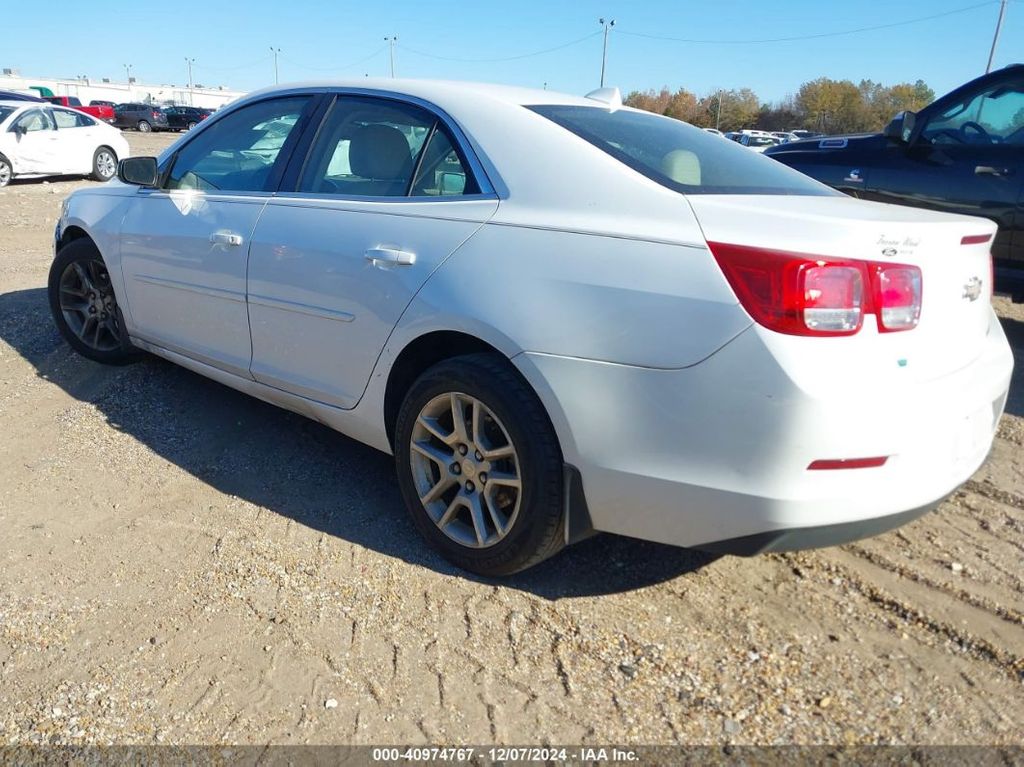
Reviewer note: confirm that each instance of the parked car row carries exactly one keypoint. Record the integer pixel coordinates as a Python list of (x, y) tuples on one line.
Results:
[(146, 117)]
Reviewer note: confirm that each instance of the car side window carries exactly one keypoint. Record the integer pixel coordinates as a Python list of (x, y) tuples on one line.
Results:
[(65, 119), (34, 120), (442, 171), (367, 147), (994, 116), (238, 152)]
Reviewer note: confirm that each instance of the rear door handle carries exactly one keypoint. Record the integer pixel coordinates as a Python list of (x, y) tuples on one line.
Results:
[(390, 256), (226, 238), (988, 170)]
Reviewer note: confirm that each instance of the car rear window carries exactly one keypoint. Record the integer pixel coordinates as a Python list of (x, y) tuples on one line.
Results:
[(680, 156)]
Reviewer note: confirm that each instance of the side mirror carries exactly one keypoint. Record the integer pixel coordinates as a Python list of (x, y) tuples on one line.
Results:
[(20, 130), (901, 127), (140, 171)]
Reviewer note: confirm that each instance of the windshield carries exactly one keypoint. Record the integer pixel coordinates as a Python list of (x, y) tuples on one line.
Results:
[(679, 156), (763, 141)]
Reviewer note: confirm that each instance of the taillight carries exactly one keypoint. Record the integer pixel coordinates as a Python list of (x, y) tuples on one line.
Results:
[(156, 115), (897, 297), (806, 295)]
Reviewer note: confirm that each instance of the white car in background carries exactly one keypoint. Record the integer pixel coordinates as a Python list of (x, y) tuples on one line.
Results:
[(758, 141), (38, 139), (714, 132), (560, 315)]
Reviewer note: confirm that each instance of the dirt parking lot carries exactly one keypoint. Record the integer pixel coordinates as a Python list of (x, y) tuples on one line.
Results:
[(181, 563)]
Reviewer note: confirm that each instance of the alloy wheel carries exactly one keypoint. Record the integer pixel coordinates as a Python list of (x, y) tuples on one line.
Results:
[(466, 470), (88, 305), (5, 173), (106, 165)]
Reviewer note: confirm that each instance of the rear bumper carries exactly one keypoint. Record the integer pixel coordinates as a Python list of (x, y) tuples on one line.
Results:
[(716, 456)]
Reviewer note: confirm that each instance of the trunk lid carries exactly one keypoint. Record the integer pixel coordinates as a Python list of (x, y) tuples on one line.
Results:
[(956, 277)]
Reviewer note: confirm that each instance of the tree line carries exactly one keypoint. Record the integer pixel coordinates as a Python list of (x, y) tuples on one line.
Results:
[(824, 105)]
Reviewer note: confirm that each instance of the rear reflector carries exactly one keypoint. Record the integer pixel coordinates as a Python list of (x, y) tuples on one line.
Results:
[(807, 295), (848, 463), (975, 239)]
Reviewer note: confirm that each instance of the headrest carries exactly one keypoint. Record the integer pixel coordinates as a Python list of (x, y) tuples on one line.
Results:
[(379, 152), (682, 166)]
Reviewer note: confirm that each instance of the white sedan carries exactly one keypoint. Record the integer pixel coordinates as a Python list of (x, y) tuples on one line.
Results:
[(38, 139), (560, 315)]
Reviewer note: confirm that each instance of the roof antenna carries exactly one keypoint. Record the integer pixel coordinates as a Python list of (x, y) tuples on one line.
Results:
[(609, 96)]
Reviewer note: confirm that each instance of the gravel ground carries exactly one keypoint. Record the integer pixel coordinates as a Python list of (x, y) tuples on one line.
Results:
[(183, 564)]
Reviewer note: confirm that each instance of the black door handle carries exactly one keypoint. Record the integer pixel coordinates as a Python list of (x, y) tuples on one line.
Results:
[(988, 170)]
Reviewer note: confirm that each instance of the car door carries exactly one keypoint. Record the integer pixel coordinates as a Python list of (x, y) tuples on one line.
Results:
[(75, 143), (385, 193), (966, 155), (34, 142), (184, 246)]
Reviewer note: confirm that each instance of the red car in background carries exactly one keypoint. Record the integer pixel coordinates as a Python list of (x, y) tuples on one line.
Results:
[(104, 113)]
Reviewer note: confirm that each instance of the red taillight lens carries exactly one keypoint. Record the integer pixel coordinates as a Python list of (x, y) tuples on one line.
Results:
[(156, 115), (801, 294), (897, 297), (832, 298)]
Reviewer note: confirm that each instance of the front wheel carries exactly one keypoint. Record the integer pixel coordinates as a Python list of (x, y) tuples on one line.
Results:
[(104, 164), (6, 171), (479, 466), (84, 306), (144, 127)]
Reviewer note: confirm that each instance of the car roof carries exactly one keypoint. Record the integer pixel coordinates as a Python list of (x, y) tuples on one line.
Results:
[(439, 92)]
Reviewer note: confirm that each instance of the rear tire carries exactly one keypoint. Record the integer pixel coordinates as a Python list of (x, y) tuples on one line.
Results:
[(84, 307), (104, 164), (144, 127), (6, 171), (496, 508), (190, 125)]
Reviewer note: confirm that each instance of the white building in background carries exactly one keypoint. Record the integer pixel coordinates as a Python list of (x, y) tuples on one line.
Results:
[(88, 89)]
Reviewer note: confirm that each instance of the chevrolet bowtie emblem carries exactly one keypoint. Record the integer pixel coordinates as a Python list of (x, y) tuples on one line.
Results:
[(972, 289)]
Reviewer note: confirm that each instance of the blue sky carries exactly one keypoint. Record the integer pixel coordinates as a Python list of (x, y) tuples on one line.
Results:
[(324, 38)]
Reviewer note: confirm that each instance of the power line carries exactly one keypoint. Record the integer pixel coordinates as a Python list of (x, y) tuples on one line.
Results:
[(811, 37), (334, 69), (505, 58)]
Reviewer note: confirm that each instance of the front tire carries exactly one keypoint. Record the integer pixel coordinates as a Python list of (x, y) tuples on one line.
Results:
[(144, 127), (104, 164), (6, 171), (479, 466), (84, 307)]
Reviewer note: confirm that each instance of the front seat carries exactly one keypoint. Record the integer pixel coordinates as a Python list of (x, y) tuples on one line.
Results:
[(379, 155)]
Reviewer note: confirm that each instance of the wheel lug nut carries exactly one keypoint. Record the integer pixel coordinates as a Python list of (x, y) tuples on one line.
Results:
[(455, 468), (463, 449), (483, 478), (479, 455), (103, 315), (470, 487), (92, 310)]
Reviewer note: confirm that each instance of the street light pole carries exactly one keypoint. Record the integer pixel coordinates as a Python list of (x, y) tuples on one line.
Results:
[(604, 52), (275, 51), (128, 73), (718, 117), (391, 45), (995, 37), (189, 62)]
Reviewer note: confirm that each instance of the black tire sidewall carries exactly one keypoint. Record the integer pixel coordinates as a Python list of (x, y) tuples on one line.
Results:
[(537, 532), (83, 250)]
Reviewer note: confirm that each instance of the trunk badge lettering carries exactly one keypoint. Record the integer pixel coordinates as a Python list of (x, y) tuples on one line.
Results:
[(972, 289)]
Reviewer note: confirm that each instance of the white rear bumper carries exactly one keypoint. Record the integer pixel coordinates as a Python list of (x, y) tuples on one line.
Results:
[(720, 450)]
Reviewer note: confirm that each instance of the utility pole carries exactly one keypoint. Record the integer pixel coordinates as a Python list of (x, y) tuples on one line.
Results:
[(718, 117), (995, 37), (275, 51), (391, 45), (604, 53), (128, 73), (189, 62)]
